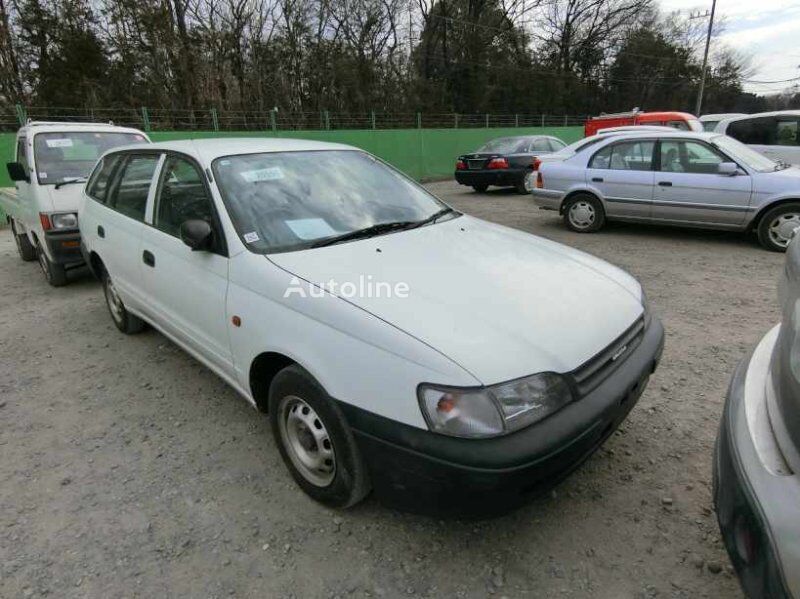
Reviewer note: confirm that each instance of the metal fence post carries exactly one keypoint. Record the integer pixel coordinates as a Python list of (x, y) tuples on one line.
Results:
[(487, 120), (455, 120), (145, 119), (516, 120), (273, 121), (21, 116), (214, 119), (327, 120), (542, 119), (419, 120), (372, 118), (565, 120)]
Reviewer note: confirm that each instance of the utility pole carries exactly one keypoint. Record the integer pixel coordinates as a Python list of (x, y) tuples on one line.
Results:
[(705, 55)]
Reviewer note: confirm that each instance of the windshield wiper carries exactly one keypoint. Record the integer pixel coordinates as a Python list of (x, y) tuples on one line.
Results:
[(70, 181), (433, 217), (371, 231)]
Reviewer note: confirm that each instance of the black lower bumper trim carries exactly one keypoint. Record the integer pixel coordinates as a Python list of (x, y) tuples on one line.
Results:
[(64, 248), (499, 178), (419, 471)]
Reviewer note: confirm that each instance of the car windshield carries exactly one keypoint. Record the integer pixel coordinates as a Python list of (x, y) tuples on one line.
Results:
[(742, 153), (709, 125), (287, 201), (65, 156), (505, 145), (576, 146)]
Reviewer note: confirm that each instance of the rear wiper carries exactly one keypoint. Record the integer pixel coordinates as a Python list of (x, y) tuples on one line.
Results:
[(70, 181), (371, 231)]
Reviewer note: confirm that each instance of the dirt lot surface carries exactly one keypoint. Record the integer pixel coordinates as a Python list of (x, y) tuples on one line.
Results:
[(129, 470)]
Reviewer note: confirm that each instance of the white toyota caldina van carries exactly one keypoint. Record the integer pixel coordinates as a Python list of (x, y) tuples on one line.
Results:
[(51, 163), (449, 364)]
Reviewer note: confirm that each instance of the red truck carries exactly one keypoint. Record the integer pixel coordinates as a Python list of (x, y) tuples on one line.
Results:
[(678, 120)]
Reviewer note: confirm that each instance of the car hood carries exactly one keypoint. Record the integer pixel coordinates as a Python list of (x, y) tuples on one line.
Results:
[(499, 302), (64, 199)]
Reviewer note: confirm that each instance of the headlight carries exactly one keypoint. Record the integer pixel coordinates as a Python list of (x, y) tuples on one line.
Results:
[(66, 220), (494, 410)]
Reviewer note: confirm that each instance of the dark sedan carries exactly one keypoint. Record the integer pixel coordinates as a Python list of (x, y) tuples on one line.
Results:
[(505, 162)]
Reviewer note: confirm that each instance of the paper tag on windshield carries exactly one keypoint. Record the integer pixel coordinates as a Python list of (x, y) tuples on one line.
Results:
[(263, 174), (310, 228), (43, 175), (64, 142), (251, 237)]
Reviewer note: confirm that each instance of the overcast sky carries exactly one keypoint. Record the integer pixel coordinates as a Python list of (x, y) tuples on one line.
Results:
[(767, 31)]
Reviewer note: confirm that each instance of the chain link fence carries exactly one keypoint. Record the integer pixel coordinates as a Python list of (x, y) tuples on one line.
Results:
[(212, 119)]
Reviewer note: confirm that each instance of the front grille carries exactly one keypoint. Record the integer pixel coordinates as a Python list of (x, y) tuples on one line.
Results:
[(475, 164), (594, 371)]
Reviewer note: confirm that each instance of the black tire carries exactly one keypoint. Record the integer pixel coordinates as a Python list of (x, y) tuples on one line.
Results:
[(775, 227), (591, 217), (480, 188), (55, 274), (25, 248), (124, 320), (297, 403), (521, 186)]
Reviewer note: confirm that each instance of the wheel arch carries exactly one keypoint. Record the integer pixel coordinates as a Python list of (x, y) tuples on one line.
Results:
[(96, 264), (756, 220), (263, 369), (571, 194)]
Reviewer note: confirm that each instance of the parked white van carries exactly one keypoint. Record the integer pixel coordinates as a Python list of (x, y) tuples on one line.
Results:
[(51, 163), (774, 134), (709, 121), (448, 363)]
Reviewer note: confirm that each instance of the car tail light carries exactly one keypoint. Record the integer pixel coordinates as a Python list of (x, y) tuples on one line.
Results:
[(461, 165), (539, 180), (496, 163), (536, 162), (45, 220)]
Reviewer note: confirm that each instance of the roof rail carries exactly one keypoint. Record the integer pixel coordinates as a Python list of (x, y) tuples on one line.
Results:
[(633, 112), (32, 123)]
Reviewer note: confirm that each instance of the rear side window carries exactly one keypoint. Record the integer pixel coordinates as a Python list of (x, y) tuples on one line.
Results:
[(133, 185), (626, 156), (753, 131), (97, 187), (540, 145), (557, 145)]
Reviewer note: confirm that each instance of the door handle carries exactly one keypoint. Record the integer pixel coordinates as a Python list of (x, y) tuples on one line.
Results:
[(597, 179), (665, 183), (101, 232), (148, 258)]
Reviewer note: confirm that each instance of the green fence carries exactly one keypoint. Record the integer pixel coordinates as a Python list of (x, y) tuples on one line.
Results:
[(420, 153)]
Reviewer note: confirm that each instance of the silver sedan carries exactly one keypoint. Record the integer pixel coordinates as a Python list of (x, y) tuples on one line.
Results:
[(686, 179)]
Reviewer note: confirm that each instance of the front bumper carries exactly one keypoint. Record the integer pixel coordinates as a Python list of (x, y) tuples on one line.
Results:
[(420, 471), (64, 248), (757, 498), (547, 199), (498, 178)]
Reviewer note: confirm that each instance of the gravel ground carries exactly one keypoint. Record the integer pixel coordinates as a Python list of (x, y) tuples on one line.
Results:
[(129, 470)]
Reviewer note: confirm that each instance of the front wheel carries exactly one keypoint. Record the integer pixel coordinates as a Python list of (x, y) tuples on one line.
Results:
[(55, 274), (25, 248), (777, 226), (315, 441), (583, 213)]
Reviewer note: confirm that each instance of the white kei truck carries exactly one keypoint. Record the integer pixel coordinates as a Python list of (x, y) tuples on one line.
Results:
[(51, 163)]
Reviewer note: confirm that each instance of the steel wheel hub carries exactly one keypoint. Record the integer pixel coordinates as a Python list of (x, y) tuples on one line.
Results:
[(781, 230), (113, 301), (581, 214), (306, 441), (528, 182)]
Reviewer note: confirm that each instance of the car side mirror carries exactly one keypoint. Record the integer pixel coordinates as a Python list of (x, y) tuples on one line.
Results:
[(729, 169), (17, 172), (197, 234)]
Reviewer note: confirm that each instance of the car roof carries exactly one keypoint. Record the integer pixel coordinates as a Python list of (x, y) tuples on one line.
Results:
[(69, 126), (211, 148), (756, 115), (721, 115)]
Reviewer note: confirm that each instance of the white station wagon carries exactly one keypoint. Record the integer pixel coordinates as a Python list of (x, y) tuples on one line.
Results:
[(449, 364), (673, 178)]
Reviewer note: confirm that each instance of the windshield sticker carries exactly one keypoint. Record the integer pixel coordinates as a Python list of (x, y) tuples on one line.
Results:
[(263, 174), (43, 175), (251, 237), (64, 142), (310, 228)]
